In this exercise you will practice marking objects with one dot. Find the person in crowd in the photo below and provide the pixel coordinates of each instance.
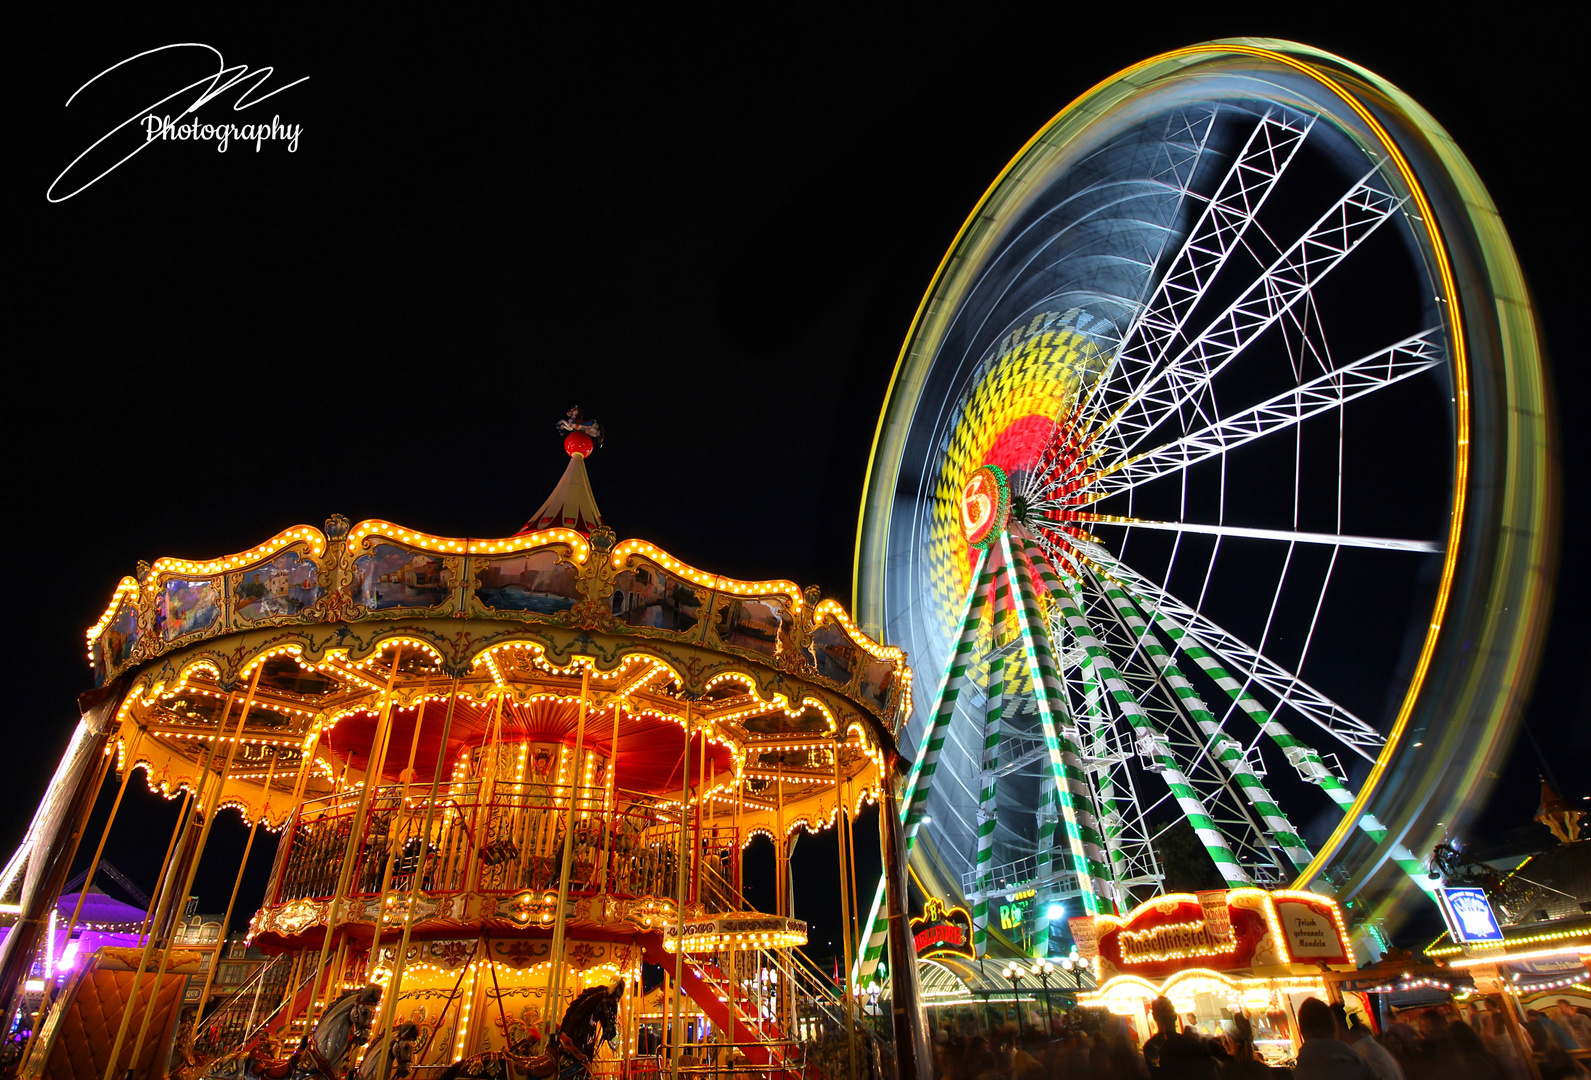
(1560, 1066)
(1245, 1064)
(1574, 1022)
(1470, 1059)
(1556, 1034)
(1358, 1036)
(1397, 1041)
(1324, 1056)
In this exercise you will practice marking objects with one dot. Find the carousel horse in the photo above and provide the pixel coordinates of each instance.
(344, 1025)
(594, 1014)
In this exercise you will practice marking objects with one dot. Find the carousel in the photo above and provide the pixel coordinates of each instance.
(510, 783)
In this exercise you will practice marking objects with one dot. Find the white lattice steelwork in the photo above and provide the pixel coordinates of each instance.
(1205, 331)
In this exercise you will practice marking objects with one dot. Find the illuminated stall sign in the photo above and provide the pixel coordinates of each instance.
(1469, 915)
(1014, 913)
(1244, 930)
(941, 931)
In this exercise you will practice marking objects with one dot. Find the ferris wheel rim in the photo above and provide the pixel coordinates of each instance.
(915, 359)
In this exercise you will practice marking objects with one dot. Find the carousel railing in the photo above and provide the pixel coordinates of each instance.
(231, 1020)
(510, 841)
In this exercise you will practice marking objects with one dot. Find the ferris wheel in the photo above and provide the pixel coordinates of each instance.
(1212, 489)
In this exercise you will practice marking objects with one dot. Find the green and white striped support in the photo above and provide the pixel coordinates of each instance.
(1221, 746)
(914, 804)
(1291, 746)
(983, 861)
(1068, 597)
(1066, 783)
(921, 780)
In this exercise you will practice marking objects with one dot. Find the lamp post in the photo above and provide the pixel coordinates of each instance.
(1014, 972)
(1044, 969)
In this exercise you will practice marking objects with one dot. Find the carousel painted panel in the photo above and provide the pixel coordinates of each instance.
(189, 607)
(395, 578)
(113, 649)
(284, 589)
(646, 597)
(764, 625)
(541, 582)
(878, 684)
(834, 655)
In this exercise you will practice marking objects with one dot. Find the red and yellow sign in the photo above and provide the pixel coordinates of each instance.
(985, 505)
(1241, 930)
(939, 930)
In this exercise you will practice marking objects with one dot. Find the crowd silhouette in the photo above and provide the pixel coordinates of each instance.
(1436, 1043)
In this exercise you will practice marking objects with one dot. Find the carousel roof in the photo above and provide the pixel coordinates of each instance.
(318, 630)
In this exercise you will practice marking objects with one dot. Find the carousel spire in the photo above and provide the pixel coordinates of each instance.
(571, 504)
(1556, 813)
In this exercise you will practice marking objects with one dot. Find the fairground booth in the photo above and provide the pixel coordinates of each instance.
(1215, 954)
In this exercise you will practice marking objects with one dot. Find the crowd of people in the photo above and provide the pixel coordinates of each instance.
(1436, 1044)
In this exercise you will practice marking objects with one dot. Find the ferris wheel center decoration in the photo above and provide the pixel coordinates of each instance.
(985, 506)
(1209, 409)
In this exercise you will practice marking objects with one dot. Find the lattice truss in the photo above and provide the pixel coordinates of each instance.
(1098, 702)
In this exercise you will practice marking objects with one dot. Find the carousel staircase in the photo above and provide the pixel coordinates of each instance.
(801, 1042)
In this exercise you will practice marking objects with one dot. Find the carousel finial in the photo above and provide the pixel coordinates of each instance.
(581, 435)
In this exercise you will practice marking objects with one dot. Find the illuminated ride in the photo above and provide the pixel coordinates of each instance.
(504, 773)
(1211, 491)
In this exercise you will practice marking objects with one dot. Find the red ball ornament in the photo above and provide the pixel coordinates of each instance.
(578, 442)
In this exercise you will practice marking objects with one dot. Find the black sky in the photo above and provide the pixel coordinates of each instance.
(712, 235)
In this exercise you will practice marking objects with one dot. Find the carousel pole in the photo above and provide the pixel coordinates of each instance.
(701, 798)
(560, 917)
(160, 886)
(355, 835)
(740, 834)
(165, 887)
(209, 979)
(913, 1053)
(781, 867)
(613, 806)
(676, 1039)
(311, 747)
(400, 961)
(88, 882)
(845, 907)
(164, 928)
(394, 846)
(170, 871)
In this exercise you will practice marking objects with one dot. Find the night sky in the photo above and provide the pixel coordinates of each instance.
(711, 236)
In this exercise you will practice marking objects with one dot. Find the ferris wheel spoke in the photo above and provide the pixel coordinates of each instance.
(1409, 357)
(1290, 536)
(1218, 744)
(1220, 228)
(1234, 665)
(1066, 593)
(1299, 270)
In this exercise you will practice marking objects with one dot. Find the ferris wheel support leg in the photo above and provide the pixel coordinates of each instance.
(1290, 745)
(1068, 596)
(1065, 782)
(914, 802)
(1221, 746)
(989, 767)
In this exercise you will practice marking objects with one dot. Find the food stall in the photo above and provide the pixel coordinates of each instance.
(1215, 954)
